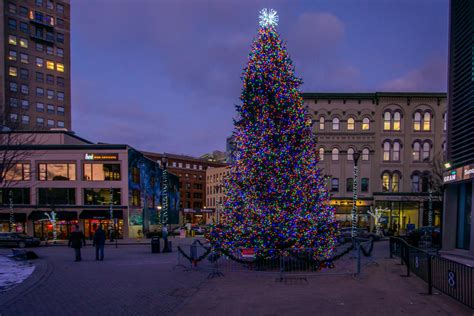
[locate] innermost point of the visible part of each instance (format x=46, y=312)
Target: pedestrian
x=76, y=240
x=99, y=243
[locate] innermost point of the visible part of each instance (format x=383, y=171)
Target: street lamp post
x=356, y=156
x=164, y=204
x=111, y=210
x=12, y=214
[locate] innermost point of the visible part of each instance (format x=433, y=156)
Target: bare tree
x=437, y=170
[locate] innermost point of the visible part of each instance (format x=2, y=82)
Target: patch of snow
x=13, y=272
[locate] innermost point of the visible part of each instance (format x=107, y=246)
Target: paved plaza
x=132, y=281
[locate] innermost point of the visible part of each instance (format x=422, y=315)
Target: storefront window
x=91, y=225
x=102, y=172
x=56, y=196
x=101, y=196
x=44, y=229
x=56, y=171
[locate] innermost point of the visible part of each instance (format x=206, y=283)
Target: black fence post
x=430, y=277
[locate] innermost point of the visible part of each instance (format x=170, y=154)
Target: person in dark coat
x=76, y=240
x=99, y=243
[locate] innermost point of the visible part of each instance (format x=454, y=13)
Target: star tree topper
x=268, y=18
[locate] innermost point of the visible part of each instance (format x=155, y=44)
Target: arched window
x=335, y=124
x=385, y=182
x=365, y=154
x=445, y=121
x=416, y=151
x=321, y=123
x=425, y=182
x=350, y=154
x=387, y=117
x=396, y=151
x=395, y=182
x=427, y=121
x=321, y=154
x=335, y=185
x=350, y=124
x=365, y=124
x=386, y=151
x=397, y=118
x=415, y=182
x=417, y=121
x=426, y=151
x=335, y=154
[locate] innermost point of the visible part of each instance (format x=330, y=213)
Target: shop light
x=447, y=165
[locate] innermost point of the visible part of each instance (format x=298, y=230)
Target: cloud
x=430, y=76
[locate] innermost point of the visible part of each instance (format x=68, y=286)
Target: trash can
x=155, y=244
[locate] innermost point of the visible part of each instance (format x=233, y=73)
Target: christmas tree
x=275, y=195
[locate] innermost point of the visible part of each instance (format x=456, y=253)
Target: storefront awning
x=60, y=215
x=100, y=214
x=19, y=217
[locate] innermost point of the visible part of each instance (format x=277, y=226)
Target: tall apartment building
x=400, y=136
x=458, y=230
x=35, y=64
x=192, y=184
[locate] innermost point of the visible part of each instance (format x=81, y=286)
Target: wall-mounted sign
x=99, y=157
x=468, y=172
x=459, y=174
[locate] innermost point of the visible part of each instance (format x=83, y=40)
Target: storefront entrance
x=91, y=220
x=43, y=228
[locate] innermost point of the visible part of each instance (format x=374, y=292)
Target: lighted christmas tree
x=275, y=195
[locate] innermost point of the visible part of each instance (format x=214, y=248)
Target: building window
x=350, y=154
x=397, y=119
x=60, y=67
x=12, y=55
x=102, y=172
x=335, y=185
x=19, y=195
x=322, y=120
x=60, y=22
x=350, y=124
x=39, y=107
x=321, y=154
x=13, y=117
x=364, y=185
x=25, y=104
x=415, y=183
x=427, y=121
x=50, y=108
x=13, y=86
x=365, y=124
x=386, y=151
x=50, y=51
x=387, y=118
x=24, y=58
x=25, y=119
x=60, y=38
x=24, y=89
x=39, y=47
x=56, y=196
x=50, y=123
x=57, y=171
x=60, y=81
x=24, y=74
x=61, y=123
x=136, y=198
x=12, y=71
x=23, y=42
x=59, y=8
x=39, y=92
x=39, y=3
x=386, y=182
x=50, y=64
x=39, y=77
x=60, y=96
x=417, y=121
x=60, y=52
x=18, y=172
x=23, y=11
x=12, y=39
x=12, y=24
x=11, y=7
x=103, y=196
x=135, y=175
x=395, y=182
x=396, y=151
x=40, y=121
x=24, y=27
x=50, y=94
x=426, y=151
x=335, y=154
x=13, y=102
x=335, y=124
x=49, y=4
x=49, y=79
x=349, y=184
x=416, y=151
x=39, y=62
x=425, y=181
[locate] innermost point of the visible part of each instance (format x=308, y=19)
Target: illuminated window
x=417, y=122
x=321, y=123
x=426, y=151
x=23, y=42
x=350, y=154
x=335, y=154
x=60, y=67
x=24, y=58
x=396, y=121
x=39, y=62
x=386, y=151
x=50, y=64
x=350, y=124
x=12, y=71
x=396, y=151
x=395, y=182
x=386, y=182
x=11, y=39
x=387, y=117
x=12, y=55
x=101, y=171
x=335, y=124
x=416, y=151
x=427, y=121
x=321, y=154
x=56, y=171
x=365, y=154
x=365, y=124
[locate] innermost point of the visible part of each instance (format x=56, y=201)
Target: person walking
x=76, y=240
x=99, y=243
